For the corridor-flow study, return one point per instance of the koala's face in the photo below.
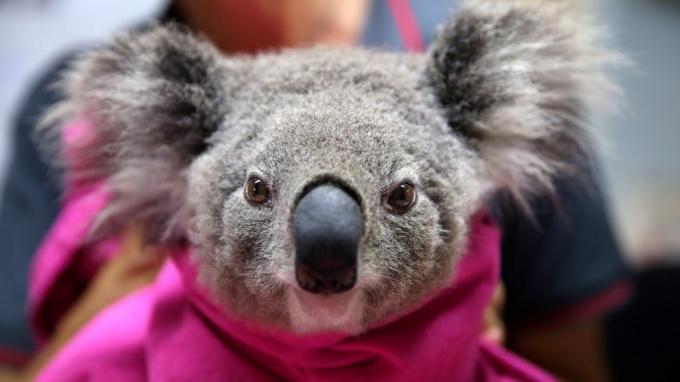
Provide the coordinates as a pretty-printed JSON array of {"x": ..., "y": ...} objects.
[
  {"x": 336, "y": 202},
  {"x": 329, "y": 190}
]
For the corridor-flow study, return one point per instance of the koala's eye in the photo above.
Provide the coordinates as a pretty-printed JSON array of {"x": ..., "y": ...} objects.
[
  {"x": 402, "y": 197},
  {"x": 257, "y": 190}
]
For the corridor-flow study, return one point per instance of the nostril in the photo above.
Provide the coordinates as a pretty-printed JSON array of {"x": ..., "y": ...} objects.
[
  {"x": 342, "y": 280},
  {"x": 307, "y": 279},
  {"x": 325, "y": 282}
]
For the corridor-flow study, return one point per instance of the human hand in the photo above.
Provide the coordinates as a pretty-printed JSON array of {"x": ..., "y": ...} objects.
[{"x": 494, "y": 328}]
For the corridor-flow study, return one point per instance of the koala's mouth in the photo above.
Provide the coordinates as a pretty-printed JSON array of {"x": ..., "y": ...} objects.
[{"x": 312, "y": 312}]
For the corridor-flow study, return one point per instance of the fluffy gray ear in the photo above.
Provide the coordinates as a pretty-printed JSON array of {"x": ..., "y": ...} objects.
[
  {"x": 517, "y": 80},
  {"x": 153, "y": 99}
]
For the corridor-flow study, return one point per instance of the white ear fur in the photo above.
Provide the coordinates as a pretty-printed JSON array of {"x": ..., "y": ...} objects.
[
  {"x": 518, "y": 79},
  {"x": 153, "y": 98}
]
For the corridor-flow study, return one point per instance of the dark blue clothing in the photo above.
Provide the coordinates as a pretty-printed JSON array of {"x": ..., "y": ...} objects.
[{"x": 30, "y": 202}]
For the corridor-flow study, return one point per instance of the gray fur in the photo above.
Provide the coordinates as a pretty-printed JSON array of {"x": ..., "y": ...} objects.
[{"x": 500, "y": 101}]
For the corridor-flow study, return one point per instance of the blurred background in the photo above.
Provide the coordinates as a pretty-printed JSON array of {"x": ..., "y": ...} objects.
[{"x": 639, "y": 151}]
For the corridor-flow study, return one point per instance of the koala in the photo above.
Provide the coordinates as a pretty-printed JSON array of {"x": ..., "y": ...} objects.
[{"x": 326, "y": 189}]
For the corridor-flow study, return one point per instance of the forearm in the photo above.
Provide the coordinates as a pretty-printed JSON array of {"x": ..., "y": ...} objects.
[{"x": 572, "y": 352}]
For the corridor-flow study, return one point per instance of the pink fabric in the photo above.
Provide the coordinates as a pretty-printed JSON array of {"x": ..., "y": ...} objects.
[
  {"x": 65, "y": 263},
  {"x": 170, "y": 330}
]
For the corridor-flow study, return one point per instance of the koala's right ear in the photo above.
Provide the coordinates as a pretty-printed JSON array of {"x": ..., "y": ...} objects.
[
  {"x": 152, "y": 100},
  {"x": 518, "y": 81}
]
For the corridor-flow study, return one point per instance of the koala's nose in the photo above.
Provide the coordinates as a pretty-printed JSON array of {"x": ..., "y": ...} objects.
[{"x": 328, "y": 226}]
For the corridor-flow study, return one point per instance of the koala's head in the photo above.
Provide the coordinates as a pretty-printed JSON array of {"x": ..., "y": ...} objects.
[{"x": 327, "y": 190}]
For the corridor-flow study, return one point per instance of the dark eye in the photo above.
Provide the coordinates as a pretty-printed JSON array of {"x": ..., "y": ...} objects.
[
  {"x": 402, "y": 197},
  {"x": 257, "y": 190}
]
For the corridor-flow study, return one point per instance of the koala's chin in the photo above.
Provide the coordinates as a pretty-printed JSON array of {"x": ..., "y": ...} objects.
[{"x": 311, "y": 313}]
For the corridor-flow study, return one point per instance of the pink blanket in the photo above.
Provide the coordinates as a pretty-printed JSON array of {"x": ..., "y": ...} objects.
[{"x": 170, "y": 330}]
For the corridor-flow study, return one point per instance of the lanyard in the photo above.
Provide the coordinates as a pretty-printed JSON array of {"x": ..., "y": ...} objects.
[{"x": 407, "y": 25}]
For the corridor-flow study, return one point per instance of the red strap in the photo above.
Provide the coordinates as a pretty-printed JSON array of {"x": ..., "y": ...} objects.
[{"x": 407, "y": 25}]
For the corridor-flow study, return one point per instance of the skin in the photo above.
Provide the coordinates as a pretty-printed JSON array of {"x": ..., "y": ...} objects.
[
  {"x": 446, "y": 142},
  {"x": 572, "y": 351},
  {"x": 236, "y": 26}
]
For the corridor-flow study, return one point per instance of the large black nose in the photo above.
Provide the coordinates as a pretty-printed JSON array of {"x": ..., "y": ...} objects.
[{"x": 328, "y": 227}]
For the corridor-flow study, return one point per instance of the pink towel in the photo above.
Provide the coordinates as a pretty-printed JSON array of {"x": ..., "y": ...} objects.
[{"x": 171, "y": 331}]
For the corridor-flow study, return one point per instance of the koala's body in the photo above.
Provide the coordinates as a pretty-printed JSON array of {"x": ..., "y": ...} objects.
[{"x": 328, "y": 190}]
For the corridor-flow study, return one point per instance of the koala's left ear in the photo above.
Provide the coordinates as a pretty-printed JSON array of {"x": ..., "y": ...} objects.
[
  {"x": 153, "y": 99},
  {"x": 162, "y": 88},
  {"x": 516, "y": 79}
]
